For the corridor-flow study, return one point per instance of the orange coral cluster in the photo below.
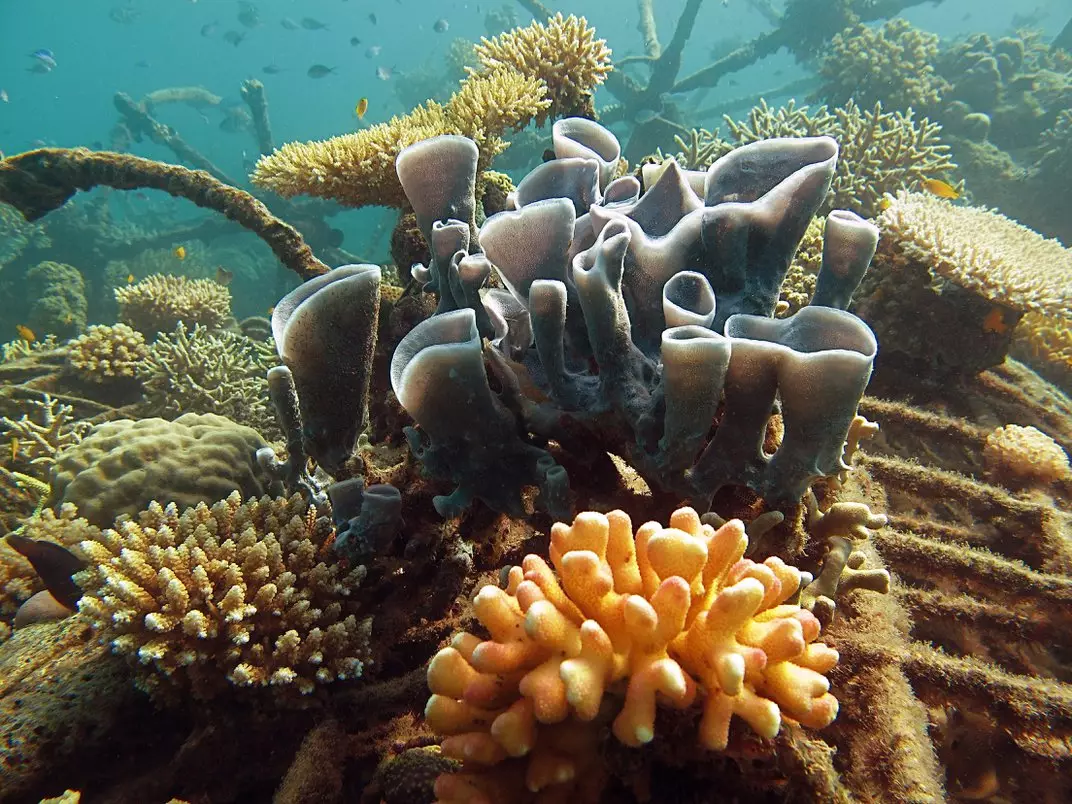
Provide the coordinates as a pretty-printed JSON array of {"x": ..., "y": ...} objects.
[{"x": 676, "y": 614}]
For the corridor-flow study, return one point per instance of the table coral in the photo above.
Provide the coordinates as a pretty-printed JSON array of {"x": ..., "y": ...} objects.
[
  {"x": 121, "y": 466},
  {"x": 673, "y": 615},
  {"x": 103, "y": 353},
  {"x": 237, "y": 592},
  {"x": 159, "y": 302},
  {"x": 564, "y": 53}
]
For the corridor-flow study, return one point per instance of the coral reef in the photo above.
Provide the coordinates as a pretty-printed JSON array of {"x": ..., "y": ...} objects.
[
  {"x": 881, "y": 152},
  {"x": 34, "y": 440},
  {"x": 57, "y": 294},
  {"x": 122, "y": 466},
  {"x": 60, "y": 692},
  {"x": 951, "y": 282},
  {"x": 1025, "y": 454},
  {"x": 209, "y": 371},
  {"x": 653, "y": 283},
  {"x": 892, "y": 65},
  {"x": 677, "y": 611},
  {"x": 157, "y": 303},
  {"x": 103, "y": 354},
  {"x": 233, "y": 593},
  {"x": 563, "y": 53}
]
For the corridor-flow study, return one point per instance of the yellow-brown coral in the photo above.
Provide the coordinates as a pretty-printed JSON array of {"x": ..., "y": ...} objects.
[
  {"x": 238, "y": 591},
  {"x": 104, "y": 353},
  {"x": 564, "y": 53},
  {"x": 676, "y": 614},
  {"x": 159, "y": 302},
  {"x": 1025, "y": 454},
  {"x": 982, "y": 251}
]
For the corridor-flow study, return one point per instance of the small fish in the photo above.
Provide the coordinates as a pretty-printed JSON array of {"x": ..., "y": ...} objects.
[
  {"x": 289, "y": 24},
  {"x": 124, "y": 15},
  {"x": 319, "y": 71},
  {"x": 441, "y": 26},
  {"x": 40, "y": 67},
  {"x": 995, "y": 321},
  {"x": 271, "y": 69},
  {"x": 249, "y": 15},
  {"x": 223, "y": 276},
  {"x": 361, "y": 108},
  {"x": 3, "y": 96},
  {"x": 53, "y": 564},
  {"x": 44, "y": 54},
  {"x": 209, "y": 29},
  {"x": 130, "y": 279},
  {"x": 235, "y": 119},
  {"x": 373, "y": 52},
  {"x": 25, "y": 333},
  {"x": 885, "y": 203},
  {"x": 939, "y": 188},
  {"x": 14, "y": 449},
  {"x": 385, "y": 73},
  {"x": 142, "y": 63},
  {"x": 234, "y": 37},
  {"x": 372, "y": 18},
  {"x": 310, "y": 24},
  {"x": 180, "y": 252},
  {"x": 354, "y": 41},
  {"x": 271, "y": 310}
]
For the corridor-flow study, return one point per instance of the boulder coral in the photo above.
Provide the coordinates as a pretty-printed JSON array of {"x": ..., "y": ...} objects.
[{"x": 673, "y": 616}]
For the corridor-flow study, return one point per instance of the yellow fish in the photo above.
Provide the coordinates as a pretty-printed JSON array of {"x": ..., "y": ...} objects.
[
  {"x": 223, "y": 276},
  {"x": 361, "y": 108},
  {"x": 885, "y": 203},
  {"x": 25, "y": 333},
  {"x": 14, "y": 449},
  {"x": 130, "y": 279},
  {"x": 180, "y": 252},
  {"x": 271, "y": 310},
  {"x": 939, "y": 188}
]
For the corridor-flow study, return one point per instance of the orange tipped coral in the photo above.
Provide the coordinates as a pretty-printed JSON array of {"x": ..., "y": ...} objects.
[{"x": 674, "y": 615}]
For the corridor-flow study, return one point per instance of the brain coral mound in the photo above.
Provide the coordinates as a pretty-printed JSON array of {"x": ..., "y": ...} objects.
[
  {"x": 105, "y": 353},
  {"x": 122, "y": 466},
  {"x": 673, "y": 616},
  {"x": 158, "y": 302},
  {"x": 1025, "y": 454},
  {"x": 564, "y": 53},
  {"x": 237, "y": 591},
  {"x": 951, "y": 282}
]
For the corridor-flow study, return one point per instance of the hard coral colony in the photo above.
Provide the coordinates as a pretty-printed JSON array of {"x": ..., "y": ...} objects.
[{"x": 403, "y": 540}]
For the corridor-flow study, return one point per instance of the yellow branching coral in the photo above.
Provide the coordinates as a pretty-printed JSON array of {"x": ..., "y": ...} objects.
[
  {"x": 32, "y": 442},
  {"x": 1046, "y": 343},
  {"x": 159, "y": 302},
  {"x": 892, "y": 64},
  {"x": 238, "y": 591},
  {"x": 981, "y": 251},
  {"x": 799, "y": 284},
  {"x": 489, "y": 104},
  {"x": 104, "y": 353},
  {"x": 564, "y": 53},
  {"x": 674, "y": 615},
  {"x": 1025, "y": 454}
]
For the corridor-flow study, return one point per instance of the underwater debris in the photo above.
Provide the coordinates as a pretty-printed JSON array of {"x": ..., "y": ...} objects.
[
  {"x": 233, "y": 593},
  {"x": 38, "y": 182}
]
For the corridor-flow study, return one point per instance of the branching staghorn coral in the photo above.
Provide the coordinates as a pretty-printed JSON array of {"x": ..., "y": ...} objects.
[
  {"x": 106, "y": 353},
  {"x": 881, "y": 152},
  {"x": 38, "y": 182},
  {"x": 204, "y": 371},
  {"x": 237, "y": 592},
  {"x": 159, "y": 302},
  {"x": 892, "y": 65},
  {"x": 33, "y": 441},
  {"x": 676, "y": 611},
  {"x": 563, "y": 53}
]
